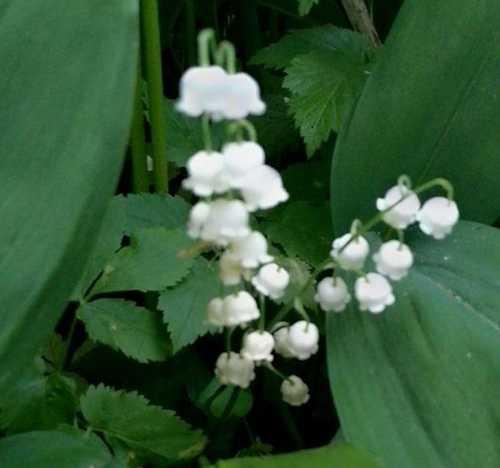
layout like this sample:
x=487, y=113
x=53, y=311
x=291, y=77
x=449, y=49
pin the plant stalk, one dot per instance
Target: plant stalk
x=360, y=19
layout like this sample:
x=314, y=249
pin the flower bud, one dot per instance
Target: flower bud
x=239, y=159
x=394, y=259
x=258, y=346
x=303, y=338
x=197, y=219
x=271, y=280
x=373, y=292
x=438, y=216
x=241, y=97
x=350, y=255
x=234, y=369
x=262, y=188
x=281, y=340
x=206, y=174
x=251, y=250
x=294, y=391
x=332, y=294
x=240, y=309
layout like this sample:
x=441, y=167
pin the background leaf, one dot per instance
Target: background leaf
x=417, y=386
x=306, y=5
x=135, y=331
x=61, y=154
x=430, y=108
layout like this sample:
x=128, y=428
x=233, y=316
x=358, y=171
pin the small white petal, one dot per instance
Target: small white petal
x=240, y=309
x=332, y=294
x=281, y=341
x=215, y=312
x=241, y=97
x=303, y=338
x=294, y=391
x=374, y=293
x=230, y=269
x=197, y=219
x=251, y=250
x=438, y=216
x=240, y=158
x=206, y=174
x=271, y=280
x=394, y=259
x=405, y=212
x=234, y=369
x=258, y=346
x=353, y=256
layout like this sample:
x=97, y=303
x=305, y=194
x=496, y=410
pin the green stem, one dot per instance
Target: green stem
x=229, y=334
x=262, y=303
x=140, y=178
x=230, y=404
x=207, y=133
x=153, y=74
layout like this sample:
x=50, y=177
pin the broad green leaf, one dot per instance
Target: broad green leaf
x=429, y=109
x=184, y=306
x=150, y=263
x=67, y=88
x=55, y=449
x=302, y=229
x=147, y=210
x=324, y=87
x=333, y=456
x=418, y=385
x=135, y=331
x=143, y=427
x=304, y=41
x=306, y=5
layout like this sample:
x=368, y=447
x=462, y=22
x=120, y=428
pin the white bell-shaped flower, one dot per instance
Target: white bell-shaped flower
x=353, y=256
x=303, y=338
x=258, y=346
x=332, y=294
x=294, y=391
x=202, y=90
x=215, y=312
x=240, y=158
x=240, y=309
x=262, y=188
x=374, y=293
x=241, y=97
x=230, y=269
x=234, y=369
x=227, y=220
x=405, y=212
x=206, y=174
x=251, y=250
x=393, y=259
x=438, y=216
x=271, y=280
x=281, y=340
x=197, y=218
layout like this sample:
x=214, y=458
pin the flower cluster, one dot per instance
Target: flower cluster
x=399, y=208
x=233, y=183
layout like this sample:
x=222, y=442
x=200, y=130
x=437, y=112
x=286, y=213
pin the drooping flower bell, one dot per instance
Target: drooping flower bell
x=251, y=250
x=393, y=259
x=239, y=159
x=197, y=219
x=202, y=90
x=241, y=97
x=350, y=254
x=206, y=174
x=403, y=213
x=231, y=270
x=258, y=346
x=303, y=338
x=215, y=312
x=271, y=280
x=281, y=340
x=234, y=369
x=294, y=391
x=438, y=216
x=240, y=309
x=373, y=292
x=332, y=294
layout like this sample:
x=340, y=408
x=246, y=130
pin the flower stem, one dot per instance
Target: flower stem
x=153, y=75
x=207, y=133
x=262, y=303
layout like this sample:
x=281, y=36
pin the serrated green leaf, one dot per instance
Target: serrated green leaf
x=324, y=88
x=332, y=456
x=67, y=91
x=184, y=306
x=55, y=449
x=418, y=385
x=143, y=427
x=148, y=210
x=306, y=5
x=150, y=263
x=135, y=331
x=304, y=41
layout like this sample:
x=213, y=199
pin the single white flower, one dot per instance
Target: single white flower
x=234, y=369
x=303, y=338
x=241, y=97
x=202, y=90
x=393, y=259
x=332, y=294
x=240, y=158
x=258, y=346
x=374, y=293
x=240, y=309
x=294, y=391
x=197, y=218
x=438, y=216
x=262, y=188
x=405, y=212
x=281, y=340
x=206, y=174
x=230, y=269
x=251, y=250
x=271, y=280
x=215, y=312
x=227, y=220
x=353, y=256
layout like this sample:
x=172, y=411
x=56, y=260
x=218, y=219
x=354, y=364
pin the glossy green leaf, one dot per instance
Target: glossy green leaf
x=306, y=5
x=430, y=108
x=67, y=88
x=418, y=385
x=333, y=456
x=135, y=331
x=184, y=306
x=55, y=449
x=143, y=427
